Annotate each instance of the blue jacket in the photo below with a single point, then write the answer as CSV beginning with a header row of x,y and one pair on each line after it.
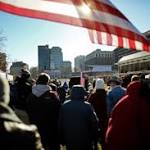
x,y
113,96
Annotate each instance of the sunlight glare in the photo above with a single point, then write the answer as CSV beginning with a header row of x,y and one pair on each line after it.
x,y
85,9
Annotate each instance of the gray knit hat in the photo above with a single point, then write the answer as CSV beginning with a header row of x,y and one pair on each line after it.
x,y
4,91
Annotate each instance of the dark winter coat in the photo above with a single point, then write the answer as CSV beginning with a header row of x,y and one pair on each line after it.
x,y
19,93
129,125
77,122
14,134
43,110
98,101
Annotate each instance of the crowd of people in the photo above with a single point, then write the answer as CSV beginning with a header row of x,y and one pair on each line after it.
x,y
42,114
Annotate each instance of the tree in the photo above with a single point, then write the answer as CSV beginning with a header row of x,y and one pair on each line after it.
x,y
3,63
3,56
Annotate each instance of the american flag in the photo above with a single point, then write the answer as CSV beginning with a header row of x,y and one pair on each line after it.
x,y
105,23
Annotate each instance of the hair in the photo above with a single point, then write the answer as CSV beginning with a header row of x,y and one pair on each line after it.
x,y
25,74
43,78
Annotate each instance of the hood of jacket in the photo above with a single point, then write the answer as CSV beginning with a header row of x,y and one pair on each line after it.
x,y
134,88
78,92
40,89
6,113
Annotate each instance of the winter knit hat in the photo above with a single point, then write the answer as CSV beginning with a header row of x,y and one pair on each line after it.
x,y
99,84
43,78
4,91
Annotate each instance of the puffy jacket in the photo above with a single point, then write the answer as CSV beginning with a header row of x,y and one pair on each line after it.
x,y
77,122
129,125
43,110
14,134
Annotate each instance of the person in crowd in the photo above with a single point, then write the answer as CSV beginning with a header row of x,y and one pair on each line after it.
x,y
115,93
62,90
21,90
98,101
126,80
43,110
78,124
14,134
129,125
135,78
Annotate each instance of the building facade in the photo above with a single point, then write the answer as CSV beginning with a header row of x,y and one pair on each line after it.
x,y
79,63
43,58
56,58
99,58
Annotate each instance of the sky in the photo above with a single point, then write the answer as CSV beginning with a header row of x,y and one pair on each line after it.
x,y
25,34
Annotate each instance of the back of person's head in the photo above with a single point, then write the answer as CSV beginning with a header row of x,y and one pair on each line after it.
x,y
53,86
43,78
135,78
126,80
78,92
114,81
99,84
4,91
145,88
142,76
25,74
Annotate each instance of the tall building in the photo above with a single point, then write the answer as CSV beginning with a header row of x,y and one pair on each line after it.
x,y
43,58
56,58
79,62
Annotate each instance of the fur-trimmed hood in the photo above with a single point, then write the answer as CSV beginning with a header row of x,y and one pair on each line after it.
x,y
40,89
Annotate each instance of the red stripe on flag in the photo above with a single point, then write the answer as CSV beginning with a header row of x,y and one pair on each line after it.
x,y
132,44
97,5
109,39
120,42
91,35
99,37
146,47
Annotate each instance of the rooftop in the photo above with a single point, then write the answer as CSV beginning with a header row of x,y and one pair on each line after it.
x,y
134,56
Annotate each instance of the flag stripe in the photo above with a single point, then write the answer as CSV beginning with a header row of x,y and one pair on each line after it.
x,y
106,8
96,5
111,26
109,39
132,44
99,38
72,20
70,11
